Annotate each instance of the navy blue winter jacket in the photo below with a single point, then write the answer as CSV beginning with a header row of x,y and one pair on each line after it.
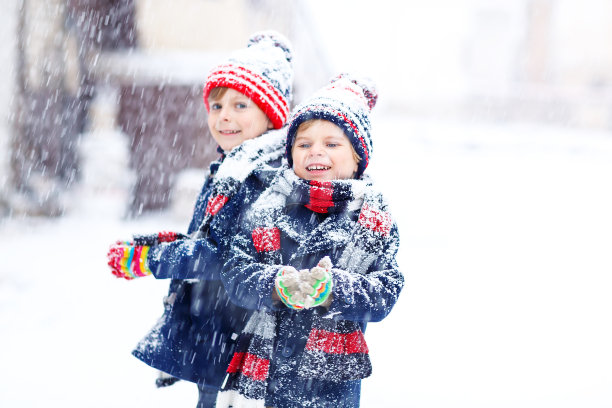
x,y
194,338
249,279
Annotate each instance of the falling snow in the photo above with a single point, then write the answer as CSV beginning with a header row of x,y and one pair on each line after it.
x,y
505,237
505,228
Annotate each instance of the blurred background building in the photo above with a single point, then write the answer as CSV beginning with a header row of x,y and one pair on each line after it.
x,y
128,75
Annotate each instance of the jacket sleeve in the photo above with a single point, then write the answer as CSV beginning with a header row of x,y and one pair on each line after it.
x,y
188,258
249,283
372,295
185,259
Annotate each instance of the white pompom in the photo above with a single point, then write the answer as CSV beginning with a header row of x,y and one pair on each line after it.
x,y
276,39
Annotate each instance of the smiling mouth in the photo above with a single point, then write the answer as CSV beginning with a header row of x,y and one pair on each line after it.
x,y
317,167
228,132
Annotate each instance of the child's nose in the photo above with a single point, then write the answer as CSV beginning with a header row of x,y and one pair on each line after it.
x,y
224,114
317,150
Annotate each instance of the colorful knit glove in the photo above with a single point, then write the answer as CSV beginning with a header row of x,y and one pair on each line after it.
x,y
306,288
287,284
321,282
129,259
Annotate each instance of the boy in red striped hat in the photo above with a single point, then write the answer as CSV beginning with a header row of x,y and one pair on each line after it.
x,y
248,100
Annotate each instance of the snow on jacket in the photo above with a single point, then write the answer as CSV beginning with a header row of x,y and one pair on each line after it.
x,y
366,287
193,339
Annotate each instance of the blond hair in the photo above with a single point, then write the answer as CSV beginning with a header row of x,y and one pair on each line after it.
x,y
217,92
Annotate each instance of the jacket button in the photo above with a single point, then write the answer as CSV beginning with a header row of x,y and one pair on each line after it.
x,y
288,350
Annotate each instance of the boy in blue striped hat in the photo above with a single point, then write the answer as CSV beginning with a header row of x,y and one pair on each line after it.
x,y
315,259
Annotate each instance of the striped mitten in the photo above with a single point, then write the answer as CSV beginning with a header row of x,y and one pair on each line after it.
x,y
128,260
306,288
321,283
287,284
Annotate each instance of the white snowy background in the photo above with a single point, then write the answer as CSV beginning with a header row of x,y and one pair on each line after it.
x,y
506,237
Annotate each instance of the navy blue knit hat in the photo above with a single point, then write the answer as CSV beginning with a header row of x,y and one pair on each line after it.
x,y
347,103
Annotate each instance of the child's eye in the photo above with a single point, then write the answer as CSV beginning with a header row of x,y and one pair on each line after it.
x,y
332,144
215,106
304,145
241,105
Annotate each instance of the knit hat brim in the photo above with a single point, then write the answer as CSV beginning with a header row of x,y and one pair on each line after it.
x,y
254,86
263,71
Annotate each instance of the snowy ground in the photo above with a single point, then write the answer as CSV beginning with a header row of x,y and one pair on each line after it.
x,y
506,247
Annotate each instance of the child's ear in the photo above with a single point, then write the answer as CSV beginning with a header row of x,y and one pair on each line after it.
x,y
270,125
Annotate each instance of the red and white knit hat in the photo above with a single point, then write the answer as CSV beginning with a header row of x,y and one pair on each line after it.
x,y
262,71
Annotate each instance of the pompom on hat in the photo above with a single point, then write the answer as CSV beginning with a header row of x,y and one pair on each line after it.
x,y
262,71
346,102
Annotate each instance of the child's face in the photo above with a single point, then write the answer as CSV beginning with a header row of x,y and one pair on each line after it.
x,y
234,118
323,152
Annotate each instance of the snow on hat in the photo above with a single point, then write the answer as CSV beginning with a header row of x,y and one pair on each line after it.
x,y
262,71
347,103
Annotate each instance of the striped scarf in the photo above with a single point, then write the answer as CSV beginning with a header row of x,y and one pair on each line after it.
x,y
336,349
230,173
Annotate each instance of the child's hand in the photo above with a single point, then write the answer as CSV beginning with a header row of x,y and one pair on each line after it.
x,y
306,288
321,282
128,260
287,284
